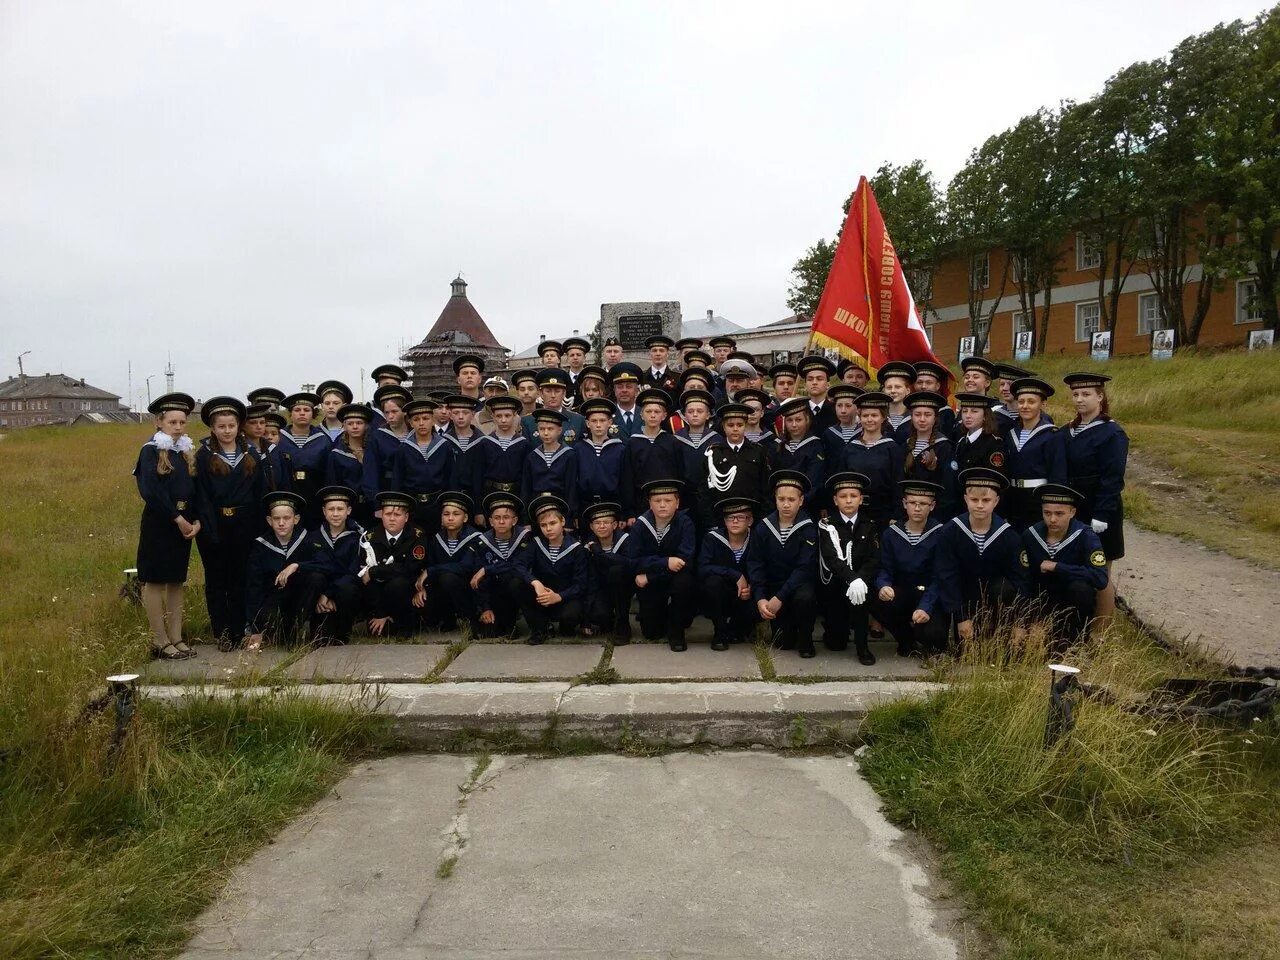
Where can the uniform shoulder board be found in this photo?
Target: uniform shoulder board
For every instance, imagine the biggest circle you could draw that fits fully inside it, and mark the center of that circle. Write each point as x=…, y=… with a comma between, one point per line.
x=1022, y=558
x=1098, y=558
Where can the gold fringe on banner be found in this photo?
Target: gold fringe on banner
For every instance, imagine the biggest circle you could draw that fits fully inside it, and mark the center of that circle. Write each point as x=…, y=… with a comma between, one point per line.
x=820, y=341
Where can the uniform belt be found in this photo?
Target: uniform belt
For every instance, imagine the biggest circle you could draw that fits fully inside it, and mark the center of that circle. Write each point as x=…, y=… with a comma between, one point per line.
x=1028, y=484
x=492, y=485
x=181, y=504
x=299, y=474
x=229, y=511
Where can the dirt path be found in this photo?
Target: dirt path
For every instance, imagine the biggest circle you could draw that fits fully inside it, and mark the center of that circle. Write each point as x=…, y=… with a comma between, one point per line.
x=1190, y=593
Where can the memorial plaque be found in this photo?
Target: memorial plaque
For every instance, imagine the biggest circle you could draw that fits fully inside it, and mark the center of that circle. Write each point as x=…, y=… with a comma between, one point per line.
x=634, y=330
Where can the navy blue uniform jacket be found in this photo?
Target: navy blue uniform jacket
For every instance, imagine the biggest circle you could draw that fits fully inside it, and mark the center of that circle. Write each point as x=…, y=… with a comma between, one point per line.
x=648, y=555
x=777, y=569
x=910, y=567
x=568, y=575
x=266, y=560
x=337, y=559
x=962, y=570
x=1078, y=556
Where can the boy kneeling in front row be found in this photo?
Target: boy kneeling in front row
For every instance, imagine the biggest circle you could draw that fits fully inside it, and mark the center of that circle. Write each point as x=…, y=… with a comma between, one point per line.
x=722, y=574
x=612, y=583
x=393, y=555
x=848, y=559
x=498, y=583
x=905, y=593
x=333, y=554
x=661, y=552
x=279, y=595
x=444, y=587
x=1066, y=566
x=781, y=565
x=556, y=570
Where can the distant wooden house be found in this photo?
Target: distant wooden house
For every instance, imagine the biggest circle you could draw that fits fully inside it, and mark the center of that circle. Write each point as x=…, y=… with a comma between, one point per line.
x=459, y=329
x=55, y=398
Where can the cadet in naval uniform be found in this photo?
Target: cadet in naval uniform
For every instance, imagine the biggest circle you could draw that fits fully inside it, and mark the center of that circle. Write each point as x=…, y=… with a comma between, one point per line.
x=393, y=556
x=497, y=582
x=661, y=552
x=424, y=464
x=333, y=555
x=280, y=596
x=1034, y=453
x=782, y=565
x=722, y=574
x=555, y=570
x=848, y=560
x=302, y=455
x=733, y=468
x=904, y=596
x=1066, y=566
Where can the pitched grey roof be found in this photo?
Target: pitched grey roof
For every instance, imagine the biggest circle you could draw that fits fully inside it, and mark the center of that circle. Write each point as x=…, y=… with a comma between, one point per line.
x=56, y=385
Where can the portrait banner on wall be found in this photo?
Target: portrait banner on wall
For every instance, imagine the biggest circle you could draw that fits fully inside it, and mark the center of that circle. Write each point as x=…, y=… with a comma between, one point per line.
x=1262, y=339
x=1022, y=345
x=966, y=347
x=1162, y=345
x=1101, y=348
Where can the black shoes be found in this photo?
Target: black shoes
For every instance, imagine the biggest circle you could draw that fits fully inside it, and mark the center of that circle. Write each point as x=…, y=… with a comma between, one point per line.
x=675, y=640
x=807, y=652
x=719, y=643
x=537, y=638
x=865, y=656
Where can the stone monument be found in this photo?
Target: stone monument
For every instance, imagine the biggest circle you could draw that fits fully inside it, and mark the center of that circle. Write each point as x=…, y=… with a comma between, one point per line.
x=633, y=323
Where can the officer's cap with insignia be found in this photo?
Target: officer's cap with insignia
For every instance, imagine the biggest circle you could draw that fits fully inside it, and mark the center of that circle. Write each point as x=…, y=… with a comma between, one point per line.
x=925, y=398
x=389, y=371
x=794, y=405
x=520, y=376
x=597, y=405
x=301, y=399
x=391, y=391
x=920, y=488
x=1078, y=380
x=502, y=403
x=733, y=505
x=929, y=368
x=216, y=405
x=602, y=509
x=460, y=401
x=697, y=396
x=421, y=405
x=467, y=360
x=848, y=480
x=355, y=411
x=582, y=344
x=686, y=345
x=699, y=356
x=873, y=400
x=337, y=492
x=171, y=401
x=284, y=498
x=664, y=485
x=896, y=368
x=593, y=372
x=695, y=374
x=553, y=377
x=394, y=498
x=1059, y=493
x=267, y=395
x=783, y=370
x=845, y=391
x=545, y=502
x=1031, y=385
x=979, y=400
x=456, y=498
x=986, y=367
x=276, y=418
x=546, y=345
x=625, y=372
x=846, y=365
x=722, y=341
x=1007, y=371
x=751, y=393
x=737, y=368
x=612, y=342
x=727, y=411
x=335, y=386
x=659, y=340
x=495, y=383
x=789, y=478
x=255, y=411
x=547, y=415
x=812, y=362
x=982, y=477
x=651, y=396
x=500, y=499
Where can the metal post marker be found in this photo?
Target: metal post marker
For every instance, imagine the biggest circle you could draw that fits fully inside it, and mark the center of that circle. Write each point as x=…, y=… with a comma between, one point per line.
x=1061, y=719
x=122, y=688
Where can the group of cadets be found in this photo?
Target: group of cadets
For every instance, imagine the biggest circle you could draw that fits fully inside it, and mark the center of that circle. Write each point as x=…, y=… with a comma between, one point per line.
x=576, y=490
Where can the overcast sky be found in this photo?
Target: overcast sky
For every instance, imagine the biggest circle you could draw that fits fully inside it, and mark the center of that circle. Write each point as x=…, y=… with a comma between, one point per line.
x=281, y=193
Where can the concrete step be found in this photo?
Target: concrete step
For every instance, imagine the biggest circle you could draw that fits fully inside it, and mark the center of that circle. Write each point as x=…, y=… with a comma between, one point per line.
x=560, y=716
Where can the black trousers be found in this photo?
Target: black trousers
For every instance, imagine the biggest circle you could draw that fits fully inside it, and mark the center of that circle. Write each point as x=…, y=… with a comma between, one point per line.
x=839, y=616
x=666, y=605
x=393, y=598
x=731, y=617
x=568, y=613
x=1069, y=605
x=225, y=560
x=285, y=613
x=449, y=599
x=505, y=594
x=895, y=616
x=794, y=624
x=611, y=606
x=336, y=627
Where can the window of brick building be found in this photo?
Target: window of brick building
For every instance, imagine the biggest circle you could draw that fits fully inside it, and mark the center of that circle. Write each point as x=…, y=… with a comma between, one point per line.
x=1088, y=318
x=1149, y=319
x=1088, y=256
x=1248, y=310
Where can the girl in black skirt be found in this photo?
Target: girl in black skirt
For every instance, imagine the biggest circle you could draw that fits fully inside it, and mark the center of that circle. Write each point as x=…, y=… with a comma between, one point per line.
x=165, y=473
x=231, y=481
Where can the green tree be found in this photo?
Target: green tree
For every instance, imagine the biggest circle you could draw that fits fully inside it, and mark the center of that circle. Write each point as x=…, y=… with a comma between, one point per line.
x=809, y=276
x=976, y=220
x=914, y=212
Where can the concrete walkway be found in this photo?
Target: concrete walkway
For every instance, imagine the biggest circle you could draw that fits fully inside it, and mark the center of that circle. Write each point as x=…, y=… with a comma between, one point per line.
x=1188, y=593
x=727, y=855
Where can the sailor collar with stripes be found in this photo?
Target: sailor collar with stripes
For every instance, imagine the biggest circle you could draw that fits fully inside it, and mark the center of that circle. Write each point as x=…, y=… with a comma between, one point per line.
x=707, y=437
x=599, y=448
x=553, y=457
x=875, y=443
x=395, y=436
x=462, y=542
x=725, y=540
x=795, y=446
x=273, y=544
x=989, y=538
x=437, y=441
x=342, y=451
x=924, y=535
x=801, y=521
x=1016, y=433
x=657, y=537
x=300, y=442
x=354, y=530
x=1081, y=428
x=511, y=441
x=1052, y=549
x=567, y=546
x=516, y=538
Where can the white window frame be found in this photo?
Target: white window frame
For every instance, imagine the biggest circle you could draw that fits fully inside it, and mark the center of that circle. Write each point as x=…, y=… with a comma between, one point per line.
x=1143, y=300
x=1018, y=327
x=1085, y=261
x=1015, y=268
x=928, y=332
x=1243, y=296
x=1080, y=310
x=985, y=260
x=982, y=337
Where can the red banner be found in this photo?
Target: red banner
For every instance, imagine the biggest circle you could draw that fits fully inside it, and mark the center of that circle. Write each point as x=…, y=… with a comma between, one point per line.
x=866, y=311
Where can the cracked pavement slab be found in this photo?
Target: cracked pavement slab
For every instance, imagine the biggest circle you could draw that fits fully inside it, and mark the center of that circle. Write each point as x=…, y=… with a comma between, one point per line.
x=730, y=854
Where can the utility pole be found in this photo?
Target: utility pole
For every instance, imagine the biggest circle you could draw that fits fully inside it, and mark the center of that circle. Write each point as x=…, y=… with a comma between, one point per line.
x=21, y=373
x=130, y=403
x=149, y=377
x=168, y=376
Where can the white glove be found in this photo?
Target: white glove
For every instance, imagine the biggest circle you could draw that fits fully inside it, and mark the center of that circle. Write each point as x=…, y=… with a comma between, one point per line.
x=857, y=592
x=1099, y=526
